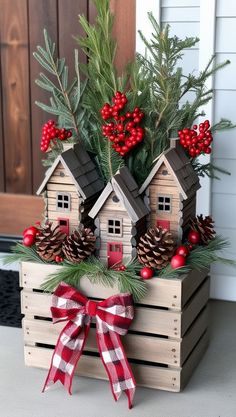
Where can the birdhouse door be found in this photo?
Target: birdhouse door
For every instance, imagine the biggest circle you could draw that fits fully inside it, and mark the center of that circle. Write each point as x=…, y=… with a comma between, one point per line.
x=64, y=225
x=114, y=253
x=165, y=224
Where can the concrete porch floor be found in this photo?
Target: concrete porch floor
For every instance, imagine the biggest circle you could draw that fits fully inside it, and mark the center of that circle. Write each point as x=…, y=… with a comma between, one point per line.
x=210, y=392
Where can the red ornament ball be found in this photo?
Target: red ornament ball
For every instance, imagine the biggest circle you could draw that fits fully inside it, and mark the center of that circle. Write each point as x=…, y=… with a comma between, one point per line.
x=28, y=240
x=182, y=250
x=177, y=261
x=194, y=237
x=146, y=272
x=30, y=231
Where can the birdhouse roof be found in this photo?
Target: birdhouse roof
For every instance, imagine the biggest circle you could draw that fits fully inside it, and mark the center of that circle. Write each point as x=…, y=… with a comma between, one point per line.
x=180, y=166
x=82, y=170
x=126, y=189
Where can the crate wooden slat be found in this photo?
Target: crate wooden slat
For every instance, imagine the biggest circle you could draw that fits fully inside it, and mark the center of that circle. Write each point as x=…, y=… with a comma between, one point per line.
x=152, y=320
x=169, y=379
x=166, y=339
x=153, y=349
x=169, y=293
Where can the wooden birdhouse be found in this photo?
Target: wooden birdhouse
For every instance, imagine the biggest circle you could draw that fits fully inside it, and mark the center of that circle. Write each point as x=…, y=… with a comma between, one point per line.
x=120, y=218
x=70, y=188
x=170, y=191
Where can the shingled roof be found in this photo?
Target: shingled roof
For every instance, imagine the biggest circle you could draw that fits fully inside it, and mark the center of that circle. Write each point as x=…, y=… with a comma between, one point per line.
x=126, y=189
x=82, y=170
x=180, y=167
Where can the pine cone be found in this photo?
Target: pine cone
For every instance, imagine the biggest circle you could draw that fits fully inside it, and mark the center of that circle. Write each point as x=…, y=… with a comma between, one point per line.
x=79, y=245
x=204, y=226
x=156, y=248
x=49, y=242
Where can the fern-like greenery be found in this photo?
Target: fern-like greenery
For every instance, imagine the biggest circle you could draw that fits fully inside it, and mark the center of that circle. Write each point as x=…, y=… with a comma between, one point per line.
x=125, y=281
x=65, y=99
x=168, y=108
x=154, y=82
x=98, y=273
x=21, y=253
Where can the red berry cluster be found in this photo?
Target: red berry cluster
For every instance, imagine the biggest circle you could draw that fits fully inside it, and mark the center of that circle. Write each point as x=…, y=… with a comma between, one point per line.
x=119, y=100
x=51, y=132
x=125, y=132
x=194, y=142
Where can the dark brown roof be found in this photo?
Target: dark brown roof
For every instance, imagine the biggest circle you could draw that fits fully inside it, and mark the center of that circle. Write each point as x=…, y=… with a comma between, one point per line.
x=181, y=168
x=126, y=189
x=82, y=170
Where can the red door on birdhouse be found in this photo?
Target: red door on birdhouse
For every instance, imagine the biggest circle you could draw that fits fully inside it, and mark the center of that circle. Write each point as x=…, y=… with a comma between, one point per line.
x=164, y=224
x=114, y=253
x=64, y=225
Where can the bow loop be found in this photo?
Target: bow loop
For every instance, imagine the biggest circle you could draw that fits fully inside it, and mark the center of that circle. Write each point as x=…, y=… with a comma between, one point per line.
x=116, y=313
x=67, y=303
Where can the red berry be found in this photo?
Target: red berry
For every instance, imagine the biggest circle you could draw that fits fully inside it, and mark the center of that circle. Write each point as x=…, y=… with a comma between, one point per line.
x=182, y=250
x=208, y=151
x=58, y=259
x=178, y=261
x=146, y=272
x=122, y=267
x=28, y=240
x=194, y=237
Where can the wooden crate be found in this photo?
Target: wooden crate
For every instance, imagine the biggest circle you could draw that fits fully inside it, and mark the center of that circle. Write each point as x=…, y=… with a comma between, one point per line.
x=166, y=339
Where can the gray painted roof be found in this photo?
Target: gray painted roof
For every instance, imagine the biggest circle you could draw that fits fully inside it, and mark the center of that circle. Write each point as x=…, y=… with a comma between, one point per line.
x=82, y=170
x=126, y=189
x=181, y=168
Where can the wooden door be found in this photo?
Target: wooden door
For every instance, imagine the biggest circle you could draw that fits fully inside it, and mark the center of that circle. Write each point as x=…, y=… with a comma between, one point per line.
x=165, y=224
x=114, y=253
x=64, y=225
x=21, y=30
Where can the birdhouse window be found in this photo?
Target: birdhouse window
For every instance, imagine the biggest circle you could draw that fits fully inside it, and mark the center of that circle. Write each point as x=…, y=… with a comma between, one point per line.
x=63, y=201
x=114, y=227
x=164, y=203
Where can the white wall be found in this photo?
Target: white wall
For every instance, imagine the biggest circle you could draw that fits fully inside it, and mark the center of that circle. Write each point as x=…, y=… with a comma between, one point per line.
x=224, y=191
x=218, y=197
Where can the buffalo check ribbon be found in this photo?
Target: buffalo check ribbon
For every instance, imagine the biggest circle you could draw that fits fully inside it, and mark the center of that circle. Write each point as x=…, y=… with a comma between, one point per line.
x=113, y=317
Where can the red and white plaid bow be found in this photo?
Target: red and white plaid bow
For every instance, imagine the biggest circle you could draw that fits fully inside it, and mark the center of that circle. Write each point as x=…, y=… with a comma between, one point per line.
x=113, y=317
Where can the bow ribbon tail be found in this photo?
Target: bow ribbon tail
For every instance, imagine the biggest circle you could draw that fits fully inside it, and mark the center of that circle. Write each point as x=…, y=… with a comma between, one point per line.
x=116, y=364
x=67, y=352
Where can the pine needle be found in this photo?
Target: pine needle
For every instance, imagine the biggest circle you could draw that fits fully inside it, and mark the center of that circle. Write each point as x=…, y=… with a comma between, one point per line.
x=97, y=273
x=21, y=253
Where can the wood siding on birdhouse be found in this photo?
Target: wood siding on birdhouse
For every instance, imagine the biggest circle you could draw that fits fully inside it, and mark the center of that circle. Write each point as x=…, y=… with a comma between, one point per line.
x=114, y=211
x=164, y=184
x=61, y=182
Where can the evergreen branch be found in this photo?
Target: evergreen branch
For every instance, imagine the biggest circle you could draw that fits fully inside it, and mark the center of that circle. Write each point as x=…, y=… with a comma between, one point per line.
x=60, y=90
x=21, y=253
x=204, y=256
x=96, y=272
x=199, y=258
x=208, y=169
x=223, y=124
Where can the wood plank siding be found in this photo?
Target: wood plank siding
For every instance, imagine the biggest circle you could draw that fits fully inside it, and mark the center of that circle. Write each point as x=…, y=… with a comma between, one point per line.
x=186, y=19
x=21, y=30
